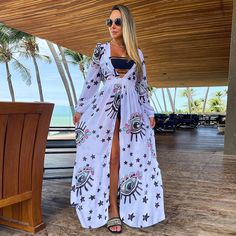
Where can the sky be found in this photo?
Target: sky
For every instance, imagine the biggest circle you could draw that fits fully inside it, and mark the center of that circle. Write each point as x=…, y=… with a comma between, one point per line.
x=53, y=88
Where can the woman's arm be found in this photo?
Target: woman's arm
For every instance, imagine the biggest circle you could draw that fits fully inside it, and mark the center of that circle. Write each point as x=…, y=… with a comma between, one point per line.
x=92, y=82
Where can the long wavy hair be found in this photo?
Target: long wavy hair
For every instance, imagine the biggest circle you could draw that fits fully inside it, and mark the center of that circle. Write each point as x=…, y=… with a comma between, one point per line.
x=129, y=35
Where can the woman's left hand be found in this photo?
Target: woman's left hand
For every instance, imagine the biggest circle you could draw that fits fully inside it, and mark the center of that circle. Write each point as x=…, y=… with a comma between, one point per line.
x=152, y=122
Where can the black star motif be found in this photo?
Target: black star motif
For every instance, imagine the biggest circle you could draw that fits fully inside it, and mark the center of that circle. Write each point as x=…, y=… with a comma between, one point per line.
x=145, y=199
x=109, y=138
x=123, y=149
x=98, y=190
x=153, y=177
x=131, y=216
x=92, y=156
x=92, y=197
x=128, y=146
x=80, y=208
x=94, y=131
x=137, y=159
x=149, y=163
x=97, y=136
x=104, y=164
x=125, y=162
x=131, y=164
x=89, y=218
x=82, y=199
x=88, y=87
x=145, y=217
x=97, y=109
x=105, y=194
x=140, y=165
x=145, y=169
x=108, y=175
x=100, y=127
x=103, y=140
x=158, y=195
x=100, y=203
x=157, y=205
x=99, y=216
x=95, y=82
x=156, y=183
x=91, y=211
x=108, y=131
x=84, y=158
x=131, y=154
x=105, y=156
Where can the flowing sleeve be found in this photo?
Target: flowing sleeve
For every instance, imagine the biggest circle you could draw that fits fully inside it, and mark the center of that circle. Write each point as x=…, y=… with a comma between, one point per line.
x=92, y=82
x=142, y=89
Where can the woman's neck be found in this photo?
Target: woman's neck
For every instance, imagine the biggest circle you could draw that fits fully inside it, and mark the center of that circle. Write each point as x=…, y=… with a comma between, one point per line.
x=119, y=42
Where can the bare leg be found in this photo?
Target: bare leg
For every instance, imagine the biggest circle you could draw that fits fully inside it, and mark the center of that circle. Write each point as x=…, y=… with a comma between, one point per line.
x=114, y=175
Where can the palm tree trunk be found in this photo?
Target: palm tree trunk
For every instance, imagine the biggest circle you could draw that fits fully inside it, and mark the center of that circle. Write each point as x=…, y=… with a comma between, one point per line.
x=175, y=98
x=68, y=73
x=171, y=100
x=205, y=100
x=158, y=101
x=164, y=99
x=62, y=74
x=38, y=79
x=10, y=83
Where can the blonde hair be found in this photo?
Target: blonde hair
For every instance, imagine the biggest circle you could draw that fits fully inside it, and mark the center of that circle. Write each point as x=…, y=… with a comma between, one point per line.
x=129, y=35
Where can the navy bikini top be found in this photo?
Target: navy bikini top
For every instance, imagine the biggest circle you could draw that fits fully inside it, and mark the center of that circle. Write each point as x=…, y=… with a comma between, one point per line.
x=121, y=62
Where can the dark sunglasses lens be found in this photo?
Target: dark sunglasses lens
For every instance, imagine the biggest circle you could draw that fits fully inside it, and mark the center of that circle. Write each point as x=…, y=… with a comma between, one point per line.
x=109, y=22
x=118, y=21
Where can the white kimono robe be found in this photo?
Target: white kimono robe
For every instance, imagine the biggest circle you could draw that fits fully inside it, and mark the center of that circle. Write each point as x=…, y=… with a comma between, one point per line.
x=140, y=182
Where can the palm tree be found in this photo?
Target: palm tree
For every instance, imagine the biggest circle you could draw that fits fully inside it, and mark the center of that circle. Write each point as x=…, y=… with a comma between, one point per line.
x=158, y=102
x=164, y=99
x=7, y=51
x=151, y=89
x=31, y=49
x=205, y=100
x=216, y=105
x=64, y=61
x=188, y=92
x=171, y=100
x=62, y=74
x=175, y=97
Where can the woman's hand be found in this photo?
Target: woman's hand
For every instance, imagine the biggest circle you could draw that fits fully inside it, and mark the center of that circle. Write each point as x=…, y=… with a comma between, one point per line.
x=76, y=117
x=152, y=122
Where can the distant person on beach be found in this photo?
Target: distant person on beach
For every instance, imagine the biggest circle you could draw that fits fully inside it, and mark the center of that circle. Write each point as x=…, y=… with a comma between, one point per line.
x=116, y=175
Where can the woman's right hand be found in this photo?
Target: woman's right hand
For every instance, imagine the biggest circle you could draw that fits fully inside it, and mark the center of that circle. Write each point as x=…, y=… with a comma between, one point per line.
x=76, y=117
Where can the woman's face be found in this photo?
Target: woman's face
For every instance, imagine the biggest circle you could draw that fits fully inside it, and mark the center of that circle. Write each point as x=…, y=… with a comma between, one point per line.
x=115, y=31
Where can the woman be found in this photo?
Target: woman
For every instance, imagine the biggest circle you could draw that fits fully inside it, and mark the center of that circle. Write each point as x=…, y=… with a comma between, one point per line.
x=116, y=154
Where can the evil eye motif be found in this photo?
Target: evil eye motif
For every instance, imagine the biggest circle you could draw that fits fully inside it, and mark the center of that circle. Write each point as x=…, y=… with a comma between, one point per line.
x=84, y=179
x=97, y=54
x=81, y=133
x=141, y=91
x=114, y=104
x=130, y=186
x=135, y=126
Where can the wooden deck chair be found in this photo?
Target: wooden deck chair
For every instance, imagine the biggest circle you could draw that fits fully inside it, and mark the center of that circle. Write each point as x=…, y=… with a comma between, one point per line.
x=23, y=135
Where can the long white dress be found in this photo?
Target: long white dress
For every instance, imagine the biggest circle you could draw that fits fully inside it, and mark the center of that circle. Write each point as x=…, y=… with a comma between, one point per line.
x=140, y=182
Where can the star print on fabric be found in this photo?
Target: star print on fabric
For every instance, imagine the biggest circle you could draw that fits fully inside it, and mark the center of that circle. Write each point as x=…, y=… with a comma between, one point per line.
x=80, y=208
x=95, y=82
x=153, y=177
x=100, y=127
x=109, y=138
x=108, y=131
x=131, y=216
x=84, y=158
x=97, y=135
x=157, y=205
x=99, y=216
x=125, y=162
x=92, y=197
x=98, y=190
x=88, y=87
x=97, y=109
x=156, y=183
x=145, y=199
x=149, y=163
x=145, y=169
x=140, y=165
x=105, y=156
x=145, y=155
x=89, y=218
x=93, y=156
x=123, y=149
x=131, y=164
x=158, y=195
x=82, y=199
x=145, y=217
x=104, y=164
x=103, y=140
x=131, y=154
x=94, y=131
x=137, y=160
x=128, y=146
x=91, y=211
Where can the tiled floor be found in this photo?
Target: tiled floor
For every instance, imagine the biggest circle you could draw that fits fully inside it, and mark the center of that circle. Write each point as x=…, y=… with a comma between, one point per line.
x=199, y=190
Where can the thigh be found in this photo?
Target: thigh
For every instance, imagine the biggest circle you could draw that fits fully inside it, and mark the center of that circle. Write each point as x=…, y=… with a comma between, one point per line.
x=115, y=151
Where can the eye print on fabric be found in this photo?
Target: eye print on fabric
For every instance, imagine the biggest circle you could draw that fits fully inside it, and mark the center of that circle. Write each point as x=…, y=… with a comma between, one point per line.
x=130, y=186
x=141, y=91
x=81, y=133
x=114, y=104
x=84, y=179
x=135, y=126
x=97, y=54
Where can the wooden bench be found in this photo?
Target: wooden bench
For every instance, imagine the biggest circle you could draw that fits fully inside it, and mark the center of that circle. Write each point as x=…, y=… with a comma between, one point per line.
x=23, y=136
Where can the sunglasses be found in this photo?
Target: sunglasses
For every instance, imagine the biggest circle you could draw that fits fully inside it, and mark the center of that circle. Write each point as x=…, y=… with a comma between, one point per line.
x=117, y=22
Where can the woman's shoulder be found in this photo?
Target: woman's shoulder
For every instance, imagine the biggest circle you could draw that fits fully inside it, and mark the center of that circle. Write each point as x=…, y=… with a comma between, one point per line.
x=98, y=52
